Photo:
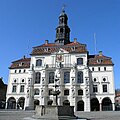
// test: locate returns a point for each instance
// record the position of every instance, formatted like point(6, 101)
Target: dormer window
point(99, 60)
point(79, 61)
point(21, 64)
point(39, 62)
point(46, 49)
point(73, 48)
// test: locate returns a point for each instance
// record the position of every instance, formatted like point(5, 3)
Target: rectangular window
point(104, 88)
point(51, 77)
point(95, 88)
point(66, 77)
point(80, 77)
point(37, 77)
point(66, 92)
point(22, 88)
point(79, 61)
point(39, 62)
point(14, 88)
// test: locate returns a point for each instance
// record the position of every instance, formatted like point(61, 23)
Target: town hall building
point(84, 81)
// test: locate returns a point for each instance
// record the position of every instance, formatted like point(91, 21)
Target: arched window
point(79, 61)
point(67, 77)
point(39, 62)
point(37, 77)
point(61, 30)
point(51, 77)
point(80, 92)
point(80, 77)
point(36, 92)
point(66, 92)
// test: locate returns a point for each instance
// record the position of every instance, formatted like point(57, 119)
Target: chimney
point(75, 40)
point(100, 53)
point(46, 41)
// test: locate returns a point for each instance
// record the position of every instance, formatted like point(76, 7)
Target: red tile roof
point(21, 63)
point(99, 60)
point(73, 47)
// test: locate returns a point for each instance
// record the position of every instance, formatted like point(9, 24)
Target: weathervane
point(63, 7)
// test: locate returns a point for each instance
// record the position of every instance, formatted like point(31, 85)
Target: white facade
point(84, 81)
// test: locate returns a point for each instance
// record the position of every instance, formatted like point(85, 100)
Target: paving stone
point(27, 115)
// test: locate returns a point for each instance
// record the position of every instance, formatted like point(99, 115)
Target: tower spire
point(63, 31)
point(63, 7)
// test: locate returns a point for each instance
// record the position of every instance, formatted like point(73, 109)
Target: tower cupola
point(62, 31)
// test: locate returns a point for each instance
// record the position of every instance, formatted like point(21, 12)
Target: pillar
point(100, 106)
point(113, 106)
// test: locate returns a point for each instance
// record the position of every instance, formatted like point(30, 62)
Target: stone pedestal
point(54, 112)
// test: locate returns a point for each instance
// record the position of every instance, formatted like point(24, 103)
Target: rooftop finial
point(63, 8)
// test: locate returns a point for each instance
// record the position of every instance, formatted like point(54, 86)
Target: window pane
point(95, 89)
point(51, 77)
point(22, 88)
point(80, 77)
point(104, 88)
point(79, 61)
point(66, 92)
point(37, 77)
point(80, 92)
point(66, 77)
point(38, 62)
point(36, 92)
point(14, 89)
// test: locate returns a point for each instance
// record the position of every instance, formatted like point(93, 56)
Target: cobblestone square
point(21, 115)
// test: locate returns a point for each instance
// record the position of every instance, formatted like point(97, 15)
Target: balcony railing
point(58, 65)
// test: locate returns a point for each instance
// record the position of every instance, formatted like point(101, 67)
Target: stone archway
point(106, 104)
point(20, 103)
point(94, 104)
point(11, 103)
point(80, 105)
point(66, 102)
point(36, 102)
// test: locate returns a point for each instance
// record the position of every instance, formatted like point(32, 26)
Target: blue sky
point(28, 23)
